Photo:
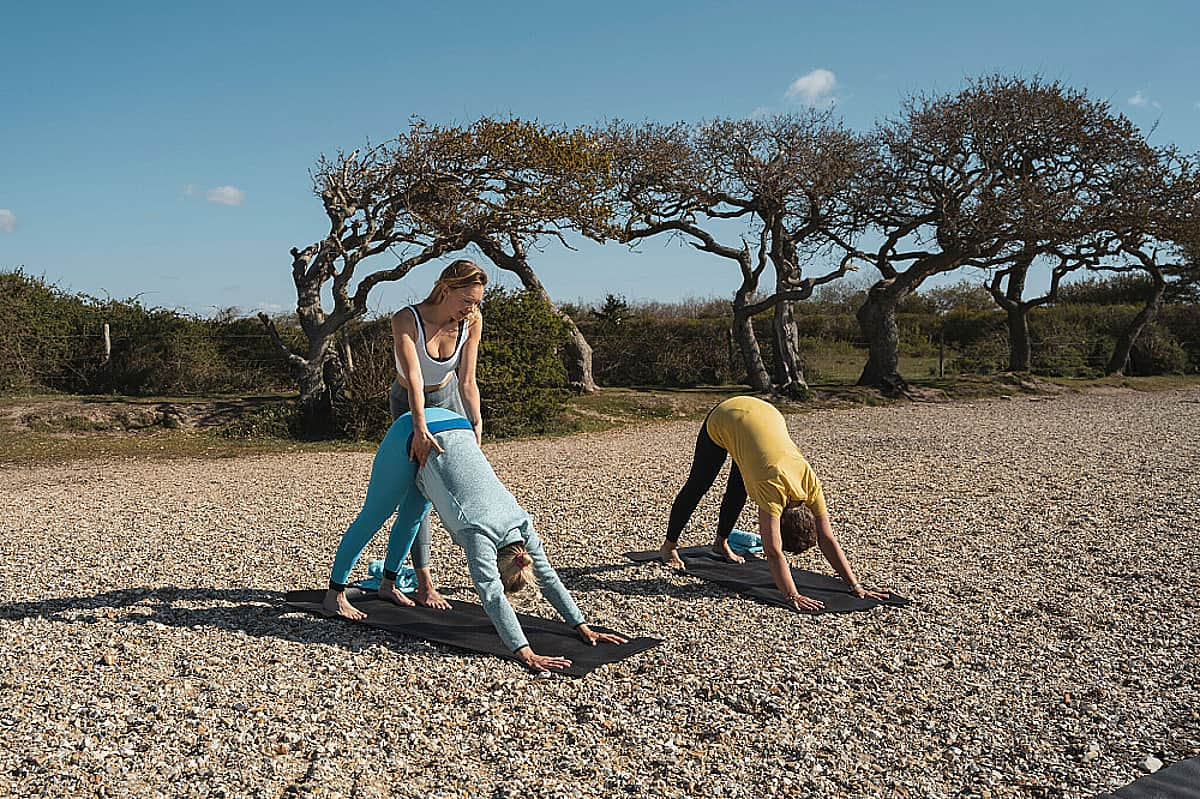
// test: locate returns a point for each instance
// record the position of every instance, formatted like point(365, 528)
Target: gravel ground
point(1050, 544)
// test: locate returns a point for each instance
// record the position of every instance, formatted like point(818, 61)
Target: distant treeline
point(688, 343)
point(56, 341)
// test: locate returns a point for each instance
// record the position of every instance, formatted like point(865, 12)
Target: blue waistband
point(440, 426)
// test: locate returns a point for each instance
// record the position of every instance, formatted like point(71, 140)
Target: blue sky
point(163, 149)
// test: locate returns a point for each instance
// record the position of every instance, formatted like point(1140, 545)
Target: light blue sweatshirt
point(482, 517)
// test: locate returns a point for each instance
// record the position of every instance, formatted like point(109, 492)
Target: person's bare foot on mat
point(430, 598)
point(427, 593)
point(389, 593)
point(336, 604)
point(669, 554)
point(721, 549)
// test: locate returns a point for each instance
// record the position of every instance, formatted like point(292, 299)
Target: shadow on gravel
point(258, 613)
point(585, 581)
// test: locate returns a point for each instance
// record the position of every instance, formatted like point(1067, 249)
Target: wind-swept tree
point(1075, 166)
point(542, 183)
point(992, 176)
point(432, 191)
point(778, 184)
point(1161, 237)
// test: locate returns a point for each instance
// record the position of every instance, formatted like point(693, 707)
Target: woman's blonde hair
point(516, 568)
point(458, 275)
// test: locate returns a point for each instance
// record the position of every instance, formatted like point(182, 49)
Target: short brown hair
point(797, 528)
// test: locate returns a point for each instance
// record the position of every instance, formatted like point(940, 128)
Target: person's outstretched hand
point(863, 593)
point(802, 602)
point(535, 662)
point(590, 636)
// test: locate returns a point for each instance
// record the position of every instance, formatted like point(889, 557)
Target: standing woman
point(436, 344)
point(437, 348)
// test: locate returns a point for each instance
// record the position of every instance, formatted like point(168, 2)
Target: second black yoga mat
point(753, 579)
point(1178, 781)
point(467, 626)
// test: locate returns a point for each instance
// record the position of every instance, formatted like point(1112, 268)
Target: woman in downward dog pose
point(504, 552)
point(769, 468)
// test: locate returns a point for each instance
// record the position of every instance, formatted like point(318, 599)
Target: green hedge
point(56, 341)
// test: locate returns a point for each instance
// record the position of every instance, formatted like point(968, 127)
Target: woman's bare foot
point(336, 604)
point(430, 598)
point(389, 593)
point(427, 593)
point(721, 549)
point(669, 553)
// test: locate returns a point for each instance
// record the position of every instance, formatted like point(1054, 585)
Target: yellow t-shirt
point(774, 471)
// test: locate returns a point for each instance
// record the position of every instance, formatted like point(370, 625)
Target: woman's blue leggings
point(391, 490)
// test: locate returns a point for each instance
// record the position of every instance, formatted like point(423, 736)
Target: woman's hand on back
point(422, 443)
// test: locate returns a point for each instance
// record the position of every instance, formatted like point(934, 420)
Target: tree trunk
point(789, 370)
point(578, 353)
point(743, 334)
point(1019, 350)
point(1017, 311)
point(578, 357)
point(1129, 336)
point(877, 320)
point(321, 381)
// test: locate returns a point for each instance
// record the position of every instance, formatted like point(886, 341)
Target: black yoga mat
point(753, 579)
point(467, 626)
point(1177, 781)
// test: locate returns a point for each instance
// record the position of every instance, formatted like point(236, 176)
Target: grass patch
point(262, 426)
point(28, 448)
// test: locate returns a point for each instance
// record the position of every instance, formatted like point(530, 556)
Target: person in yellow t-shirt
point(768, 467)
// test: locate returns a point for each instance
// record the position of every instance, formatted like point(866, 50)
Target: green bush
point(57, 343)
point(522, 379)
point(1156, 352)
point(1183, 323)
point(1076, 340)
point(269, 421)
point(645, 351)
point(47, 335)
point(1133, 288)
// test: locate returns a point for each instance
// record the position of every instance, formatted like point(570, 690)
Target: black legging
point(706, 465)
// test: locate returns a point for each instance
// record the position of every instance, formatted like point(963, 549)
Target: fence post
point(107, 346)
point(732, 354)
point(941, 353)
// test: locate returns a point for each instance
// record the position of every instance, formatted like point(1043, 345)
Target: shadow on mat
point(659, 587)
point(255, 612)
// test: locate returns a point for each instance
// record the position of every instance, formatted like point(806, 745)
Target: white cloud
point(813, 88)
point(189, 190)
point(269, 307)
point(8, 220)
point(226, 195)
point(1139, 99)
point(760, 112)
